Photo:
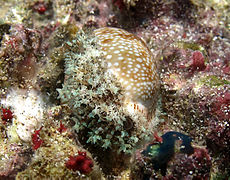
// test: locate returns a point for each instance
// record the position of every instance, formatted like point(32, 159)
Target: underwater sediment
point(114, 89)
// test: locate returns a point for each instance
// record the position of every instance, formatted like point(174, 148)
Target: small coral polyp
point(131, 61)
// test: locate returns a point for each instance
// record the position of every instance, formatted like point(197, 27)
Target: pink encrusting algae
point(131, 61)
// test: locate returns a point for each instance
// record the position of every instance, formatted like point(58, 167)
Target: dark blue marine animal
point(161, 154)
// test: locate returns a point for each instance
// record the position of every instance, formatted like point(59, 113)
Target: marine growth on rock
point(174, 157)
point(107, 103)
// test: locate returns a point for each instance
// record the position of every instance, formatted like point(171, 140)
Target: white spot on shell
point(109, 56)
